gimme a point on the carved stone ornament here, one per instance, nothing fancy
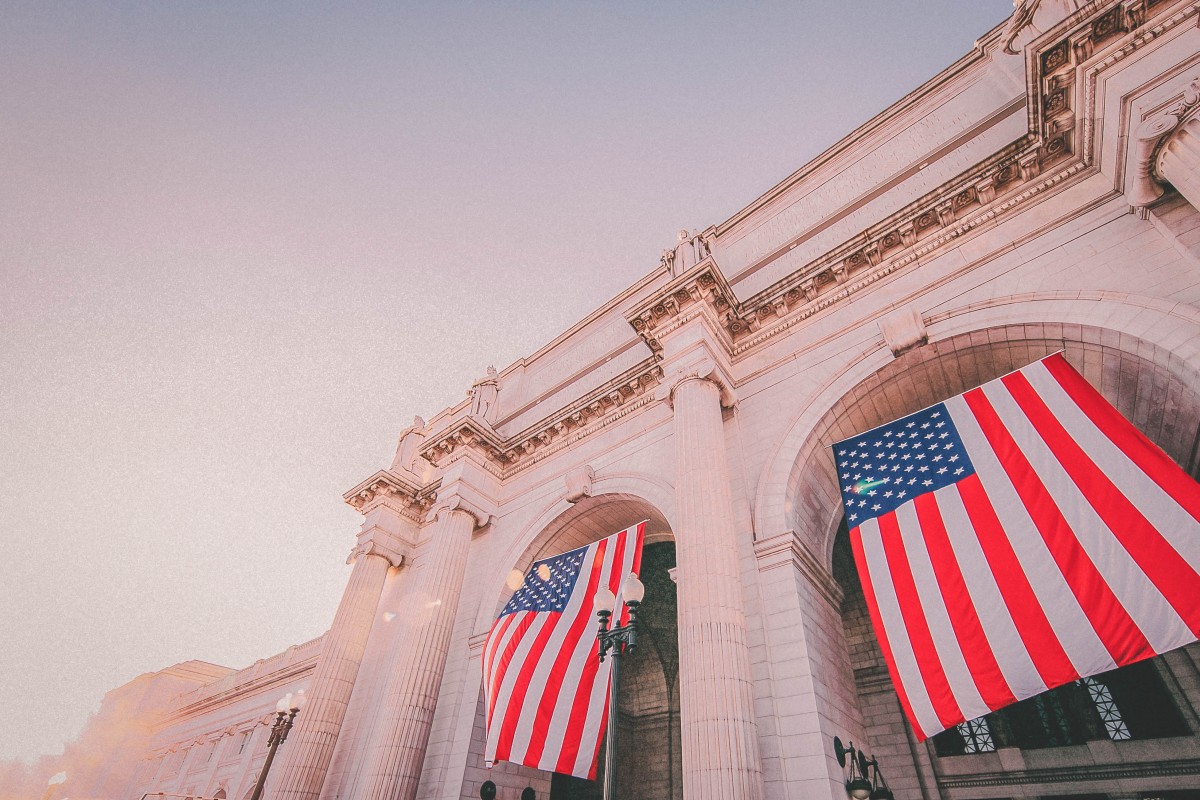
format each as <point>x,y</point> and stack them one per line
<point>377,547</point>
<point>483,396</point>
<point>706,370</point>
<point>457,502</point>
<point>1031,18</point>
<point>1145,181</point>
<point>409,445</point>
<point>903,329</point>
<point>579,483</point>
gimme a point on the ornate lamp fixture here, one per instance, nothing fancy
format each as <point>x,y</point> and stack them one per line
<point>618,640</point>
<point>858,785</point>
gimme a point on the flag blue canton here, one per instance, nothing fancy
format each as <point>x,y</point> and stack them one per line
<point>548,589</point>
<point>886,467</point>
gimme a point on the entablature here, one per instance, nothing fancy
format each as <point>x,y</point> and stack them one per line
<point>407,498</point>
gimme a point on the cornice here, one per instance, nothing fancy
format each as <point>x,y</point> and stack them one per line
<point>1056,149</point>
<point>1059,146</point>
<point>680,300</point>
<point>253,685</point>
<point>405,497</point>
<point>503,457</point>
<point>929,88</point>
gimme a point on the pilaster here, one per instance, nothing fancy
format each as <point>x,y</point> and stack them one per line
<point>814,691</point>
<point>462,505</point>
<point>718,733</point>
<point>390,507</point>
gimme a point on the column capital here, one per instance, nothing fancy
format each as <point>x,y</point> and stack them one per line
<point>461,496</point>
<point>704,368</point>
<point>392,508</point>
<point>1150,142</point>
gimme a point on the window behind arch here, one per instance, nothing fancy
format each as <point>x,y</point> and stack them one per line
<point>1127,703</point>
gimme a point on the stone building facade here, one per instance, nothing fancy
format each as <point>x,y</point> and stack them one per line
<point>1040,194</point>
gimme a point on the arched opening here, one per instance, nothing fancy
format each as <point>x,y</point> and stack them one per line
<point>649,756</point>
<point>1159,395</point>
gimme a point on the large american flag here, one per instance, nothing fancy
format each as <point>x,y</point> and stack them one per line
<point>546,690</point>
<point>1017,537</point>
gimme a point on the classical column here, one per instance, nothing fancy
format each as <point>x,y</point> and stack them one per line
<point>310,745</point>
<point>720,746</point>
<point>398,749</point>
<point>1178,160</point>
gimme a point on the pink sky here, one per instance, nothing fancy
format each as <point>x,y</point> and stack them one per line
<point>243,244</point>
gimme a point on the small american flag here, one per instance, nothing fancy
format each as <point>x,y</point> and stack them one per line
<point>1015,538</point>
<point>546,690</point>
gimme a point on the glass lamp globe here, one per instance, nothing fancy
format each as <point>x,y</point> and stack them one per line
<point>633,590</point>
<point>605,600</point>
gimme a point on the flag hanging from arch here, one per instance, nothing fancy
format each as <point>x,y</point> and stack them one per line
<point>1015,538</point>
<point>546,691</point>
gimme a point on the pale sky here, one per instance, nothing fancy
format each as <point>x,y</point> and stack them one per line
<point>243,243</point>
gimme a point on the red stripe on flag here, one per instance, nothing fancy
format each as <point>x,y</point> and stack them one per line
<point>1163,565</point>
<point>554,683</point>
<point>1116,629</point>
<point>1140,450</point>
<point>1047,653</point>
<point>936,684</point>
<point>579,710</point>
<point>868,588</point>
<point>583,692</point>
<point>497,662</point>
<point>972,639</point>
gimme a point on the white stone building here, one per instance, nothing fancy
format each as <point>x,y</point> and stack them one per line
<point>1039,194</point>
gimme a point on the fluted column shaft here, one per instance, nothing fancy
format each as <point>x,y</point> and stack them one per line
<point>310,744</point>
<point>399,747</point>
<point>720,747</point>
<point>1179,160</point>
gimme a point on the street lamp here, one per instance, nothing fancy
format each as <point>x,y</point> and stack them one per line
<point>285,712</point>
<point>858,785</point>
<point>617,640</point>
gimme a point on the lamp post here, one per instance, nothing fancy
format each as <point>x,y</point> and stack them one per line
<point>285,713</point>
<point>616,640</point>
<point>858,785</point>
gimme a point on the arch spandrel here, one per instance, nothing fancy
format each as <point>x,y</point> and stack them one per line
<point>1156,387</point>
<point>615,503</point>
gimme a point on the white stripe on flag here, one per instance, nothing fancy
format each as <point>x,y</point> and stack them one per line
<point>893,622</point>
<point>557,729</point>
<point>945,640</point>
<point>508,680</point>
<point>597,698</point>
<point>1140,598</point>
<point>1071,626</point>
<point>1171,520</point>
<point>1020,673</point>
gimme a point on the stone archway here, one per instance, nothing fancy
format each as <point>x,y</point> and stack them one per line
<point>649,752</point>
<point>1158,391</point>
